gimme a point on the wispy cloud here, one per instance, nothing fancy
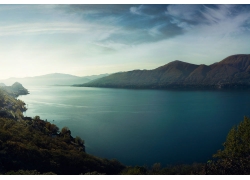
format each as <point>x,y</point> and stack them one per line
<point>185,12</point>
<point>182,24</point>
<point>212,19</point>
<point>155,31</point>
<point>38,28</point>
<point>88,32</point>
<point>221,13</point>
<point>136,10</point>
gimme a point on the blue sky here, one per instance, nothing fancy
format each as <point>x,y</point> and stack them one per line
<point>94,39</point>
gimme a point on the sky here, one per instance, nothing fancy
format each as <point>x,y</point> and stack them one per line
<point>92,39</point>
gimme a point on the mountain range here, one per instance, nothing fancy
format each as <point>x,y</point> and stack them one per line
<point>231,72</point>
<point>51,79</point>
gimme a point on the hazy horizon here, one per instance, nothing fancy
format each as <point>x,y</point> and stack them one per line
<point>54,74</point>
<point>84,40</point>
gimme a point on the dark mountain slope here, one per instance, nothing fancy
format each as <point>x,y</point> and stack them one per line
<point>174,72</point>
<point>233,71</point>
<point>239,61</point>
<point>199,74</point>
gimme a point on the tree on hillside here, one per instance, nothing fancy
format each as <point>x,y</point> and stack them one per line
<point>66,134</point>
<point>79,140</point>
<point>235,157</point>
<point>65,130</point>
<point>37,118</point>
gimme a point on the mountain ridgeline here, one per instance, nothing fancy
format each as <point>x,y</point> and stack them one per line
<point>231,72</point>
<point>51,79</point>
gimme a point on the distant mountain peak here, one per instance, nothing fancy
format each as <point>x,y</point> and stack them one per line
<point>177,64</point>
<point>176,61</point>
<point>58,75</point>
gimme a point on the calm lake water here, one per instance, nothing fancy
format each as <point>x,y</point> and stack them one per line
<point>142,127</point>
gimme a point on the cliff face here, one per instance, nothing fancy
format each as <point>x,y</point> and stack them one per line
<point>233,71</point>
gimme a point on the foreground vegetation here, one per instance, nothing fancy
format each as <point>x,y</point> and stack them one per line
<point>34,146</point>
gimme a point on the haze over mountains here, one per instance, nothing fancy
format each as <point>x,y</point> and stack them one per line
<point>51,79</point>
<point>233,71</point>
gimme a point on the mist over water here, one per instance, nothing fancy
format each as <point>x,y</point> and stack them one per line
<point>142,127</point>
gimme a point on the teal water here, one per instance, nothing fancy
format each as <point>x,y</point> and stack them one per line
<point>142,127</point>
